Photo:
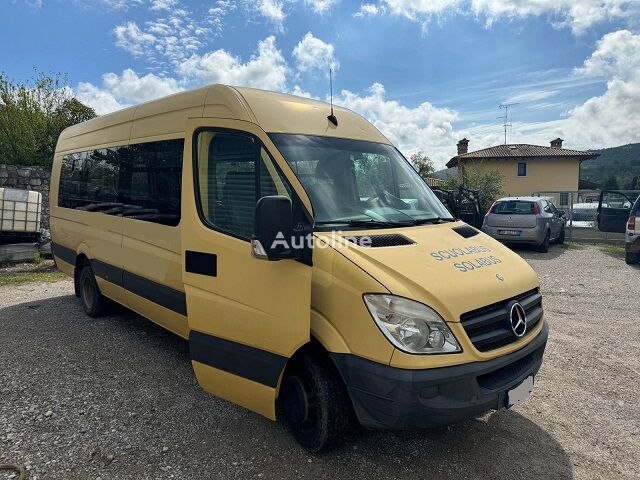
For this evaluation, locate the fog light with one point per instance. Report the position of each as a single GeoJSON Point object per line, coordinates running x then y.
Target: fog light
{"type": "Point", "coordinates": [436, 339]}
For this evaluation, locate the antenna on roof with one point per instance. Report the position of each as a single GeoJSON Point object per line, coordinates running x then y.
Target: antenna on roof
{"type": "Point", "coordinates": [506, 118]}
{"type": "Point", "coordinates": [332, 118]}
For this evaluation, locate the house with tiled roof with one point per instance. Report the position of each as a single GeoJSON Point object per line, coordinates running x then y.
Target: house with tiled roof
{"type": "Point", "coordinates": [525, 168]}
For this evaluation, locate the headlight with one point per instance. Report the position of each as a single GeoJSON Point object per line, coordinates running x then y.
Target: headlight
{"type": "Point", "coordinates": [411, 326]}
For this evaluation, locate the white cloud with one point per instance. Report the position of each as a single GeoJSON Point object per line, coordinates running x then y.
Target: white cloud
{"type": "Point", "coordinates": [578, 15]}
{"type": "Point", "coordinates": [368, 9]}
{"type": "Point", "coordinates": [321, 6]}
{"type": "Point", "coordinates": [118, 91]}
{"type": "Point", "coordinates": [130, 38]}
{"type": "Point", "coordinates": [423, 127]}
{"type": "Point", "coordinates": [267, 69]}
{"type": "Point", "coordinates": [312, 53]}
{"type": "Point", "coordinates": [272, 10]}
{"type": "Point", "coordinates": [121, 4]}
{"type": "Point", "coordinates": [163, 4]}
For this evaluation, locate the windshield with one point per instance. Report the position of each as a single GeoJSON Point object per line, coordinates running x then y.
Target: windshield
{"type": "Point", "coordinates": [357, 183]}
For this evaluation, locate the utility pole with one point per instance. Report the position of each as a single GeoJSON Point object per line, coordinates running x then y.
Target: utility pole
{"type": "Point", "coordinates": [507, 120]}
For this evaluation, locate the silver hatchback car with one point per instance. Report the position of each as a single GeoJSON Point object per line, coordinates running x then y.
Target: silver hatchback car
{"type": "Point", "coordinates": [531, 220]}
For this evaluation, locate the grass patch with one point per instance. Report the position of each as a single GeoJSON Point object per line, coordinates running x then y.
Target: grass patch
{"type": "Point", "coordinates": [616, 250]}
{"type": "Point", "coordinates": [573, 246]}
{"type": "Point", "coordinates": [41, 271]}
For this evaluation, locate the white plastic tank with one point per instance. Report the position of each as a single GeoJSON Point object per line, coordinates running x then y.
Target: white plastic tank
{"type": "Point", "coordinates": [20, 211]}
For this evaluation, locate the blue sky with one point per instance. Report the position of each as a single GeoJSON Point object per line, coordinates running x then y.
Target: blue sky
{"type": "Point", "coordinates": [426, 73]}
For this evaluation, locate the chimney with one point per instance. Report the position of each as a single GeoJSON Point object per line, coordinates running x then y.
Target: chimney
{"type": "Point", "coordinates": [463, 146]}
{"type": "Point", "coordinates": [557, 143]}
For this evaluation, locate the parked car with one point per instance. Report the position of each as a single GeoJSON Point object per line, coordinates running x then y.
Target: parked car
{"type": "Point", "coordinates": [618, 212]}
{"type": "Point", "coordinates": [530, 220]}
{"type": "Point", "coordinates": [583, 215]}
{"type": "Point", "coordinates": [464, 204]}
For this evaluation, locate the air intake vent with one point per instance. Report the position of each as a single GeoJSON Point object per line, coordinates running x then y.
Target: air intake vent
{"type": "Point", "coordinates": [466, 231]}
{"type": "Point", "coordinates": [378, 241]}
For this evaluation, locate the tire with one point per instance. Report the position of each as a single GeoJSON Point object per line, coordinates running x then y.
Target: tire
{"type": "Point", "coordinates": [560, 239]}
{"type": "Point", "coordinates": [544, 246]}
{"type": "Point", "coordinates": [93, 302]}
{"type": "Point", "coordinates": [631, 258]}
{"type": "Point", "coordinates": [315, 403]}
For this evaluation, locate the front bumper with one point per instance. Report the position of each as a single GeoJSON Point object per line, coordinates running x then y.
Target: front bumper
{"type": "Point", "coordinates": [527, 235]}
{"type": "Point", "coordinates": [394, 398]}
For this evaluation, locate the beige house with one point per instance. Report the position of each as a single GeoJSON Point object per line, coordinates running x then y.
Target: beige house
{"type": "Point", "coordinates": [526, 169]}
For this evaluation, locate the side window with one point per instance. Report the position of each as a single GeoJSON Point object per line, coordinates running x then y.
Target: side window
{"type": "Point", "coordinates": [150, 181]}
{"type": "Point", "coordinates": [522, 169]}
{"type": "Point", "coordinates": [139, 181]}
{"type": "Point", "coordinates": [73, 185]}
{"type": "Point", "coordinates": [234, 171]}
{"type": "Point", "coordinates": [564, 199]}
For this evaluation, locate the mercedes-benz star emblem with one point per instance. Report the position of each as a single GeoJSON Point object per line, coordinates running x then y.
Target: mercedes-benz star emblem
{"type": "Point", "coordinates": [518, 319]}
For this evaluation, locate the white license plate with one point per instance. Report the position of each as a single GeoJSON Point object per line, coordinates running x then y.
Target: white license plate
{"type": "Point", "coordinates": [514, 233]}
{"type": "Point", "coordinates": [520, 393]}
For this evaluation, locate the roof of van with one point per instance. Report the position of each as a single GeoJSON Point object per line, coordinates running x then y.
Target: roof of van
{"type": "Point", "coordinates": [273, 112]}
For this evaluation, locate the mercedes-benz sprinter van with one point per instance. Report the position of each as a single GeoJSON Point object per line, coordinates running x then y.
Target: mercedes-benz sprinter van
{"type": "Point", "coordinates": [312, 270]}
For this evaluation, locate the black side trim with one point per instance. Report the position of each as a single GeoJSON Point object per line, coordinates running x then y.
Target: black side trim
{"type": "Point", "coordinates": [201, 263]}
{"type": "Point", "coordinates": [241, 360]}
{"type": "Point", "coordinates": [155, 292]}
{"type": "Point", "coordinates": [466, 231]}
{"type": "Point", "coordinates": [63, 253]}
{"type": "Point", "coordinates": [108, 272]}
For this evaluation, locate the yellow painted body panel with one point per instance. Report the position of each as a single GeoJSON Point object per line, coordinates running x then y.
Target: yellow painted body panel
{"type": "Point", "coordinates": [277, 306]}
{"type": "Point", "coordinates": [543, 174]}
{"type": "Point", "coordinates": [254, 396]}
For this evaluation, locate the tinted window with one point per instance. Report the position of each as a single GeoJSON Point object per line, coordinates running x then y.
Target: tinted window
{"type": "Point", "coordinates": [513, 207]}
{"type": "Point", "coordinates": [139, 181]}
{"type": "Point", "coordinates": [522, 169]}
{"type": "Point", "coordinates": [234, 171]}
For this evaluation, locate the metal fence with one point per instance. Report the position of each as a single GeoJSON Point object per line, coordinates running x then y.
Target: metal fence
{"type": "Point", "coordinates": [581, 209]}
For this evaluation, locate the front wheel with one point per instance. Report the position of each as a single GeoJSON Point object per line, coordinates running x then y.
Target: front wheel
{"type": "Point", "coordinates": [631, 258]}
{"type": "Point", "coordinates": [93, 302]}
{"type": "Point", "coordinates": [316, 404]}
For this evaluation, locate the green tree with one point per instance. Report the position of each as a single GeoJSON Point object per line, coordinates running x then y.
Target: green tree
{"type": "Point", "coordinates": [32, 116]}
{"type": "Point", "coordinates": [423, 164]}
{"type": "Point", "coordinates": [488, 184]}
{"type": "Point", "coordinates": [611, 183]}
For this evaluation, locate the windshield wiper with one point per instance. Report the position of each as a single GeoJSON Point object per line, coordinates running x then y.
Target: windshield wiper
{"type": "Point", "coordinates": [422, 221]}
{"type": "Point", "coordinates": [367, 223]}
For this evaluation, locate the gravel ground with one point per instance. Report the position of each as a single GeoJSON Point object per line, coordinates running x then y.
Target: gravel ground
{"type": "Point", "coordinates": [115, 398]}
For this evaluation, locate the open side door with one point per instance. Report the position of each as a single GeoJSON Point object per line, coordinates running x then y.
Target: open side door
{"type": "Point", "coordinates": [468, 206]}
{"type": "Point", "coordinates": [247, 316]}
{"type": "Point", "coordinates": [448, 198]}
{"type": "Point", "coordinates": [614, 208]}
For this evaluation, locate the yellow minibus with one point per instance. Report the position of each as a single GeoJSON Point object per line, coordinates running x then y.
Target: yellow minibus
{"type": "Point", "coordinates": [313, 272]}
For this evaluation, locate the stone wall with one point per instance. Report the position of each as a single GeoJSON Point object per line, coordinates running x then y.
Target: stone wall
{"type": "Point", "coordinates": [29, 178]}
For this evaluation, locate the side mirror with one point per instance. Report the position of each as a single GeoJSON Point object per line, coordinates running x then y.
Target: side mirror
{"type": "Point", "coordinates": [273, 229]}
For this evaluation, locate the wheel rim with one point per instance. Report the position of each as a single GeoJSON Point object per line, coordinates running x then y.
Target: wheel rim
{"type": "Point", "coordinates": [300, 404]}
{"type": "Point", "coordinates": [87, 291]}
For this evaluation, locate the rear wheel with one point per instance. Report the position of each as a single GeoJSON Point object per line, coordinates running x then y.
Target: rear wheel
{"type": "Point", "coordinates": [93, 302]}
{"type": "Point", "coordinates": [544, 246]}
{"type": "Point", "coordinates": [316, 404]}
{"type": "Point", "coordinates": [631, 258]}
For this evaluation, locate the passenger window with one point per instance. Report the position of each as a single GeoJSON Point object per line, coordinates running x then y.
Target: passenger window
{"type": "Point", "coordinates": [140, 181]}
{"type": "Point", "coordinates": [234, 171]}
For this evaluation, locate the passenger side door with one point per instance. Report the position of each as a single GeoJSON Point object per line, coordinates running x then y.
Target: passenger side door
{"type": "Point", "coordinates": [247, 316]}
{"type": "Point", "coordinates": [556, 220]}
{"type": "Point", "coordinates": [613, 211]}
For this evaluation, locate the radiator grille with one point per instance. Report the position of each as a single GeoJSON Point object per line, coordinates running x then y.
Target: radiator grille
{"type": "Point", "coordinates": [489, 327]}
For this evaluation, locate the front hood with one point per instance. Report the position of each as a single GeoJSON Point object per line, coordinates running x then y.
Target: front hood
{"type": "Point", "coordinates": [442, 268]}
